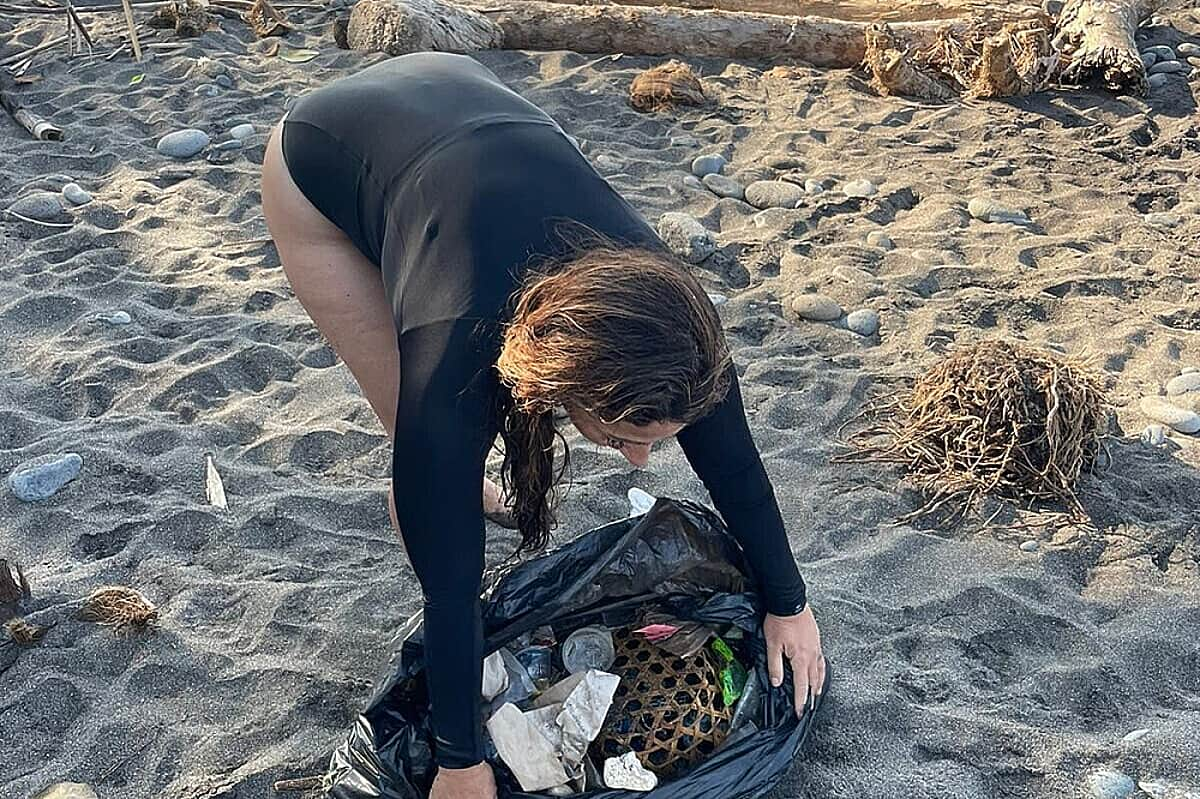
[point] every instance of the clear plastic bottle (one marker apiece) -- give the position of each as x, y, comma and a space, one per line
588, 648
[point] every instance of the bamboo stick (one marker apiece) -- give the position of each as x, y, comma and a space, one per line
133, 34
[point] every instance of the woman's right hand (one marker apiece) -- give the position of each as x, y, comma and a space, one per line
475, 782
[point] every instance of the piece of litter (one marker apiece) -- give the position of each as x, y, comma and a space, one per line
627, 773
213, 485
136, 79
557, 694
545, 721
583, 715
531, 758
656, 632
495, 678
298, 56
1136, 735
640, 502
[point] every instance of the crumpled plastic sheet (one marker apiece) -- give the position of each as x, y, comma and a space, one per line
678, 557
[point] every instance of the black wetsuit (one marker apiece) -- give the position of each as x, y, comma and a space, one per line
451, 182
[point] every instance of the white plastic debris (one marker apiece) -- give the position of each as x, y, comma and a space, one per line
520, 685
213, 485
531, 758
557, 694
639, 502
545, 721
583, 715
495, 678
627, 773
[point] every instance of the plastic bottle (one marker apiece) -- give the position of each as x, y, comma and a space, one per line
588, 648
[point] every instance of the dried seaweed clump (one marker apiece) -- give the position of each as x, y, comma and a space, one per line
997, 418
124, 609
22, 632
665, 87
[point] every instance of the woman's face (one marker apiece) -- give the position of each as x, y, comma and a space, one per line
632, 441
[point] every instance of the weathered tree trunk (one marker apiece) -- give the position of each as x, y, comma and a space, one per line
396, 26
1097, 38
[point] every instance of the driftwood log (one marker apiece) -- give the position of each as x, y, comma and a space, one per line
989, 55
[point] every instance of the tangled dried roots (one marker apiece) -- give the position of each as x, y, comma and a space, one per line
664, 87
997, 418
22, 632
123, 609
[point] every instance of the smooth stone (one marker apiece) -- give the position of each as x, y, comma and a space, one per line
1164, 219
860, 188
41, 478
1029, 546
816, 308
40, 205
1136, 735
1170, 67
989, 210
724, 187
686, 237
208, 89
692, 182
183, 143
232, 144
717, 299
1178, 419
627, 773
864, 322
1149, 59
246, 130
685, 141
814, 186
782, 162
708, 165
68, 790
1158, 80
224, 81
1162, 52
114, 317
774, 194
1183, 384
75, 194
877, 238
1155, 435
1188, 49
1109, 784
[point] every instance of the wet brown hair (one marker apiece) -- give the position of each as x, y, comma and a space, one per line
625, 334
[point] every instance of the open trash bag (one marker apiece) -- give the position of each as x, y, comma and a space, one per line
677, 558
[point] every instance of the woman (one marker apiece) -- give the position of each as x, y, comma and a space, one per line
418, 208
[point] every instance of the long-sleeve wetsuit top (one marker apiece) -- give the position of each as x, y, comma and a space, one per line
451, 183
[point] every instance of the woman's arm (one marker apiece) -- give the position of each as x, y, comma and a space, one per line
723, 454
443, 433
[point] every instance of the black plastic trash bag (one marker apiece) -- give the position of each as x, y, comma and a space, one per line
678, 557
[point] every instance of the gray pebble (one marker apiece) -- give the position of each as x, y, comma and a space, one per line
1183, 384
232, 144
686, 237
40, 205
1161, 52
173, 174
1161, 410
1149, 59
814, 186
692, 182
183, 143
1158, 81
708, 165
1029, 546
246, 130
989, 210
208, 89
724, 187
860, 188
75, 194
864, 322
782, 162
114, 317
1135, 736
774, 194
1164, 219
1155, 435
41, 478
1109, 784
717, 299
877, 238
1188, 49
1170, 67
685, 141
816, 307
224, 81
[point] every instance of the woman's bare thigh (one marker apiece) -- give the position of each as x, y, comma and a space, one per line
337, 285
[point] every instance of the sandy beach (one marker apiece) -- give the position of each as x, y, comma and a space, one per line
969, 662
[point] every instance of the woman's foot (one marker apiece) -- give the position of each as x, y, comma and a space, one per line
495, 508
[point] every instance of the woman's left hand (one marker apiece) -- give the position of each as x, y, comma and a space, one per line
798, 639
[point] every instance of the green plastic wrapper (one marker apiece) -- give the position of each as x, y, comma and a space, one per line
733, 674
